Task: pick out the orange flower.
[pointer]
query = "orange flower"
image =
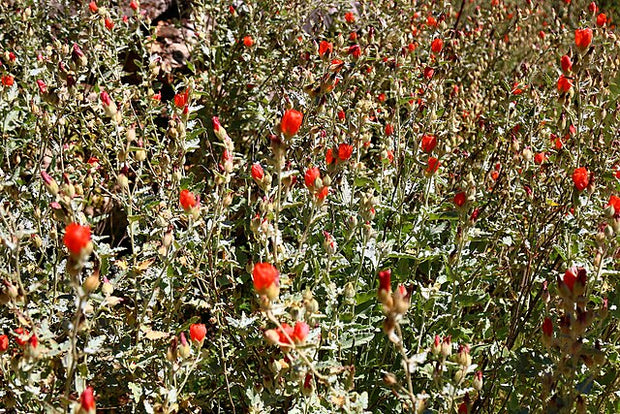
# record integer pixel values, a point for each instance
(355, 50)
(291, 122)
(344, 151)
(601, 19)
(188, 200)
(109, 24)
(322, 194)
(583, 38)
(180, 99)
(349, 17)
(325, 48)
(7, 80)
(266, 280)
(300, 332)
(77, 238)
(581, 178)
(92, 6)
(433, 166)
(437, 45)
(311, 176)
(197, 332)
(248, 41)
(329, 156)
(564, 84)
(285, 333)
(614, 201)
(429, 142)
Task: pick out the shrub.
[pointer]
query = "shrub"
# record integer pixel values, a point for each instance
(345, 206)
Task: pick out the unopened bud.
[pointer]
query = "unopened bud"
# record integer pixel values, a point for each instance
(184, 349)
(50, 184)
(91, 283)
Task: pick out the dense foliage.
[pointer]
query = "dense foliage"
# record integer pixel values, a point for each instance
(319, 207)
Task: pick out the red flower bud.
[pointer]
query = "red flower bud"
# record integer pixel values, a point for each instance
(105, 98)
(76, 52)
(566, 64)
(477, 383)
(601, 19)
(257, 172)
(385, 280)
(592, 8)
(460, 199)
(92, 6)
(355, 51)
(322, 194)
(87, 401)
(437, 45)
(547, 328)
(4, 343)
(349, 17)
(436, 348)
(573, 275)
(285, 334)
(33, 341)
(42, 86)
